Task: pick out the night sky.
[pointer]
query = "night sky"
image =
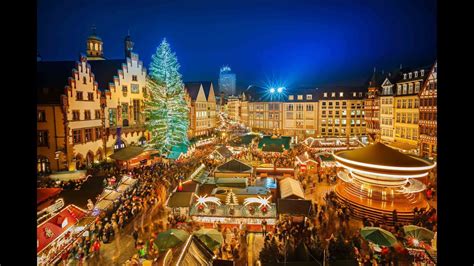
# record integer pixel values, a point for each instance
(295, 43)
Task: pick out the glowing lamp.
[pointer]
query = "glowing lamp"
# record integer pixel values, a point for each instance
(416, 242)
(280, 89)
(272, 90)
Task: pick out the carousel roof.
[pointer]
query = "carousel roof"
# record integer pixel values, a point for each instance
(380, 154)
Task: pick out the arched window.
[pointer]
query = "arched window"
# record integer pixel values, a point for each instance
(96, 46)
(43, 165)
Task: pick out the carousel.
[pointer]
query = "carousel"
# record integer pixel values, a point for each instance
(376, 180)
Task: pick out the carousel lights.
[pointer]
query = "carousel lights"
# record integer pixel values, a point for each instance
(383, 167)
(380, 174)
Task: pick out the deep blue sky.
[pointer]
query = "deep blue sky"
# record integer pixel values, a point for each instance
(294, 42)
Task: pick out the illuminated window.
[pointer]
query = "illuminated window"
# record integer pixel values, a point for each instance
(291, 97)
(416, 74)
(333, 94)
(341, 94)
(97, 114)
(325, 94)
(134, 78)
(300, 97)
(354, 94)
(90, 96)
(409, 75)
(42, 138)
(309, 97)
(41, 116)
(422, 72)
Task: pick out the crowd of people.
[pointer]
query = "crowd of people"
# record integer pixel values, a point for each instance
(75, 184)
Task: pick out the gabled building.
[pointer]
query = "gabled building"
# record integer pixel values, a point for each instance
(372, 107)
(386, 107)
(69, 116)
(201, 99)
(428, 115)
(406, 109)
(123, 85)
(86, 108)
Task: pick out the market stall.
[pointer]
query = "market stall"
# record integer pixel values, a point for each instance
(57, 232)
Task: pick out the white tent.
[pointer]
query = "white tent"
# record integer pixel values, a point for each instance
(112, 195)
(290, 187)
(123, 187)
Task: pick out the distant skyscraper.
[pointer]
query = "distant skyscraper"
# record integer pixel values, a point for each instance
(227, 81)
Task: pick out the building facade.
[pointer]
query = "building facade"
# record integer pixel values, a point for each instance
(428, 115)
(341, 113)
(85, 106)
(372, 108)
(203, 112)
(300, 113)
(406, 110)
(227, 82)
(386, 109)
(303, 112)
(233, 108)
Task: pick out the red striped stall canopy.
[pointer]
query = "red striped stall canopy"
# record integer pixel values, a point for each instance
(54, 227)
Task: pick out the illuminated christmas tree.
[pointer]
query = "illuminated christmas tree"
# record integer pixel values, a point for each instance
(166, 109)
(231, 199)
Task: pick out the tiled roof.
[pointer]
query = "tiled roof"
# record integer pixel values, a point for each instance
(105, 70)
(193, 89)
(51, 78)
(234, 166)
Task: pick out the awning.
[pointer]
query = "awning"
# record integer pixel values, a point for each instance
(54, 227)
(180, 199)
(127, 153)
(291, 188)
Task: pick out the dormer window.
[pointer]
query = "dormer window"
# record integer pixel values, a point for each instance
(325, 94)
(416, 74)
(422, 72)
(300, 97)
(405, 76)
(360, 94)
(333, 94)
(309, 97)
(341, 94)
(409, 75)
(354, 94)
(291, 97)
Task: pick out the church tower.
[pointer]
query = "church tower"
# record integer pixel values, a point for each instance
(94, 47)
(128, 46)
